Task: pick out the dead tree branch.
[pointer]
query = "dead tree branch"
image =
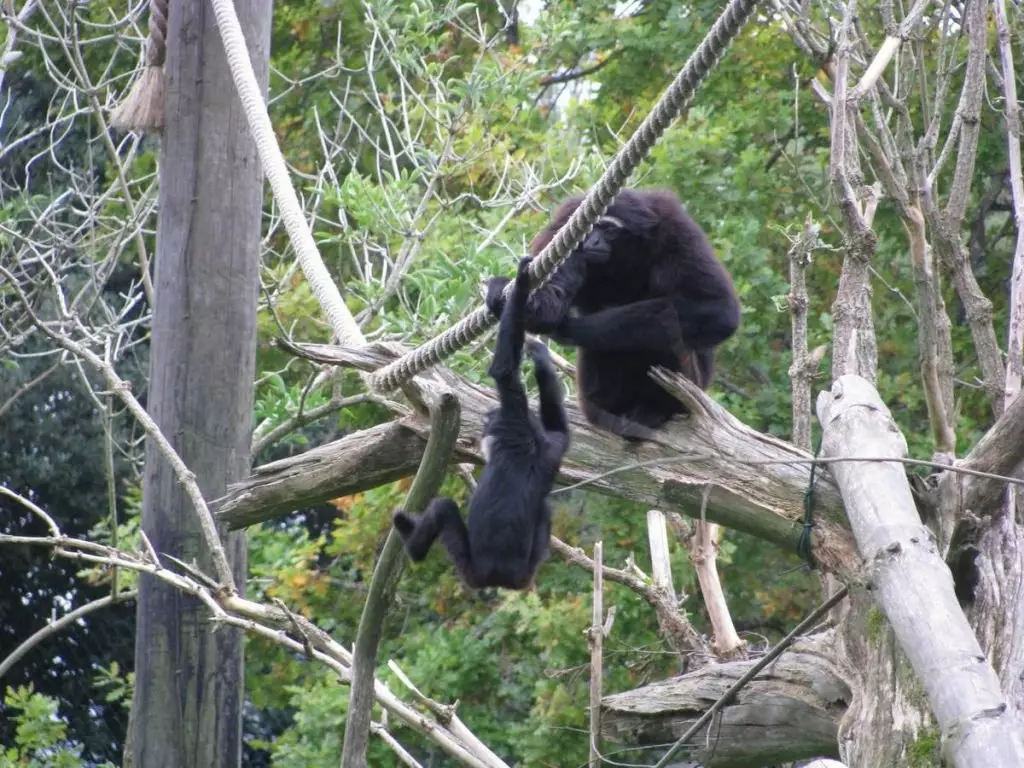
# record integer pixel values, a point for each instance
(444, 429)
(711, 446)
(911, 582)
(790, 711)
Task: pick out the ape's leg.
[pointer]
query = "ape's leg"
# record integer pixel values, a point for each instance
(419, 531)
(648, 415)
(625, 426)
(441, 519)
(706, 367)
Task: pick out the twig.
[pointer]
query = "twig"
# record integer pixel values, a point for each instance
(55, 627)
(576, 74)
(122, 389)
(28, 384)
(679, 632)
(305, 417)
(254, 618)
(35, 509)
(446, 713)
(401, 753)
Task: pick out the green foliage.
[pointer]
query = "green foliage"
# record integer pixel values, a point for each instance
(415, 130)
(926, 750)
(40, 737)
(517, 663)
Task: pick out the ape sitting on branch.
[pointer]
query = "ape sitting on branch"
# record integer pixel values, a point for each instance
(648, 291)
(509, 517)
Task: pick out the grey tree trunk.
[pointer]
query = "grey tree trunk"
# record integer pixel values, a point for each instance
(188, 685)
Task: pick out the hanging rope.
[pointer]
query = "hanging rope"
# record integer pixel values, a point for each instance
(319, 279)
(143, 107)
(673, 101)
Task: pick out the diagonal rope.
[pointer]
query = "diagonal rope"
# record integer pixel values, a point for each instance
(676, 97)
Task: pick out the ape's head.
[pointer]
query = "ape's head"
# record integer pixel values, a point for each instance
(627, 225)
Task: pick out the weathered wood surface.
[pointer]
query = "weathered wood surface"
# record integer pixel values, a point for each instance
(790, 711)
(911, 582)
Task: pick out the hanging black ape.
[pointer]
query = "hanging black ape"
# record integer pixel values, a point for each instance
(647, 290)
(509, 517)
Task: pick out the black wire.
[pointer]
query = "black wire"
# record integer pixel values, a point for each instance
(803, 545)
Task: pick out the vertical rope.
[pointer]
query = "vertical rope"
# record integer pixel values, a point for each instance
(143, 107)
(306, 253)
(676, 97)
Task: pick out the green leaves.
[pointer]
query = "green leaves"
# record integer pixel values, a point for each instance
(40, 739)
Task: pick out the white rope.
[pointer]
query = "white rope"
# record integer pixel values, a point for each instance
(307, 254)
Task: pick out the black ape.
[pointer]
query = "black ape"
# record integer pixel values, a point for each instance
(509, 517)
(648, 291)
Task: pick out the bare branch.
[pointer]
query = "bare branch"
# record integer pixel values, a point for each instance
(702, 545)
(677, 629)
(122, 389)
(444, 429)
(58, 626)
(34, 508)
(804, 366)
(1015, 342)
(928, 299)
(579, 74)
(596, 638)
(854, 347)
(709, 447)
(273, 624)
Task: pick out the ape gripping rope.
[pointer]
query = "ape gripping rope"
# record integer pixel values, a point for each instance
(676, 98)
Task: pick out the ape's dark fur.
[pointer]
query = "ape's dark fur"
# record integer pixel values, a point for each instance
(509, 517)
(648, 291)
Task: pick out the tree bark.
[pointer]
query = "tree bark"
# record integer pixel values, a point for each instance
(188, 692)
(913, 587)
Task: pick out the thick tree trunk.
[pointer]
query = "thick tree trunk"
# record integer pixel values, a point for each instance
(188, 692)
(940, 665)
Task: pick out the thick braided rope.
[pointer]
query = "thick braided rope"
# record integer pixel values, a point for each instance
(156, 41)
(320, 282)
(673, 101)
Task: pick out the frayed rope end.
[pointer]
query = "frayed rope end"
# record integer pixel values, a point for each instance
(143, 107)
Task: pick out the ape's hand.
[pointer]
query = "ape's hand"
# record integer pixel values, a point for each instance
(493, 291)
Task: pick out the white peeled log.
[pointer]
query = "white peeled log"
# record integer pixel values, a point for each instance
(911, 582)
